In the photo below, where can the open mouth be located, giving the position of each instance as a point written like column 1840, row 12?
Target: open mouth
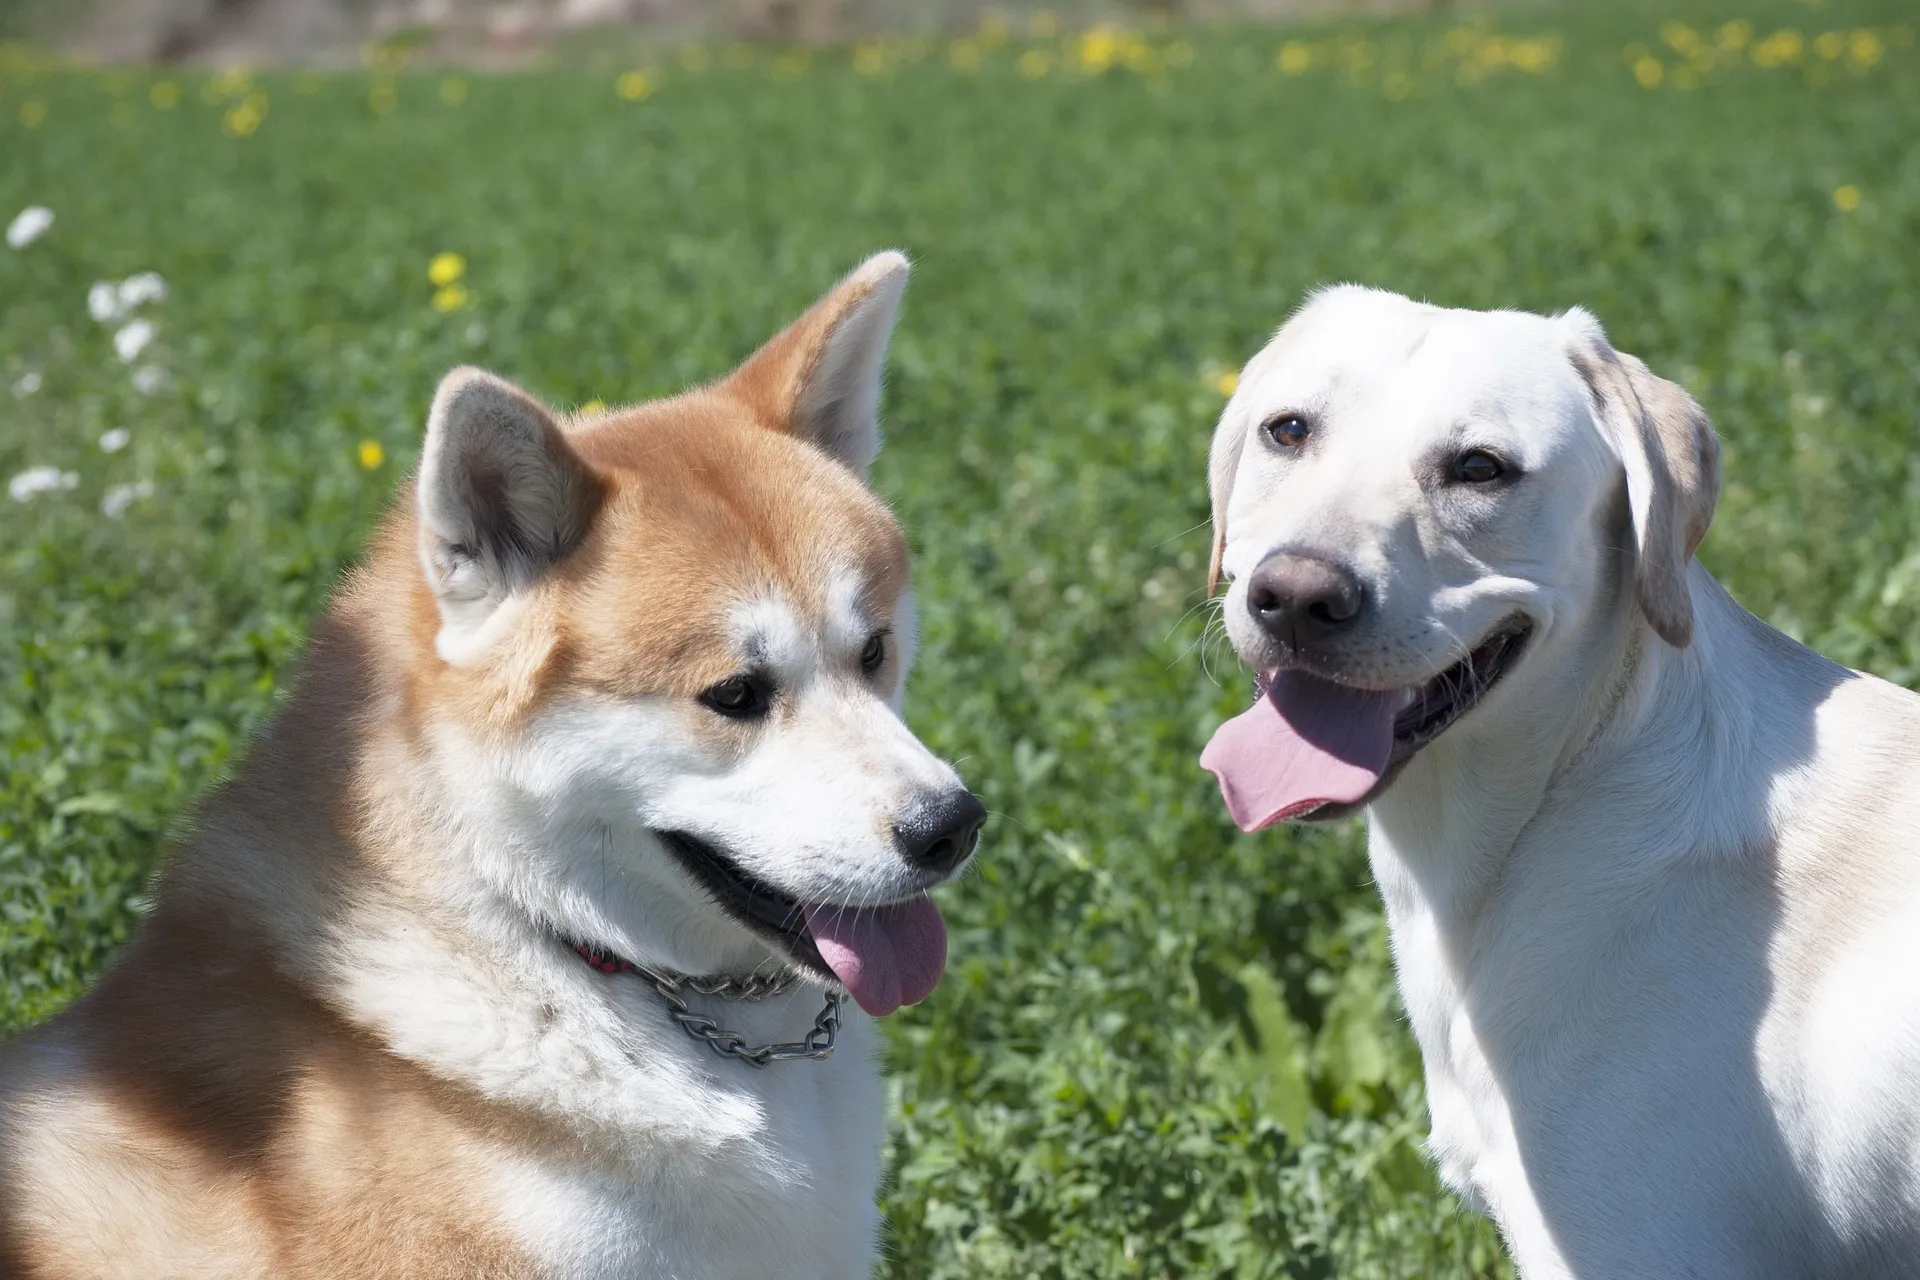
column 1433, row 707
column 1312, row 749
column 769, row 912
column 885, row 955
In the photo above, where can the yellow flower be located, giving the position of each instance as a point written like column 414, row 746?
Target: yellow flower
column 1779, row 49
column 1865, row 48
column 1830, row 45
column 1846, row 198
column 372, row 455
column 165, row 95
column 1295, row 57
column 450, row 298
column 1649, row 72
column 594, row 406
column 245, row 116
column 1735, row 35
column 453, row 91
column 633, row 86
column 1034, row 63
column 1226, row 382
column 964, row 55
column 446, row 268
column 870, row 57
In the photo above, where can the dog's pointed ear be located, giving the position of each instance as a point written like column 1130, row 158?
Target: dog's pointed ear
column 819, row 378
column 502, row 497
column 1223, row 461
column 1672, row 461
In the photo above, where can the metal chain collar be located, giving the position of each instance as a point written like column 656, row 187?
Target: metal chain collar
column 818, row 1044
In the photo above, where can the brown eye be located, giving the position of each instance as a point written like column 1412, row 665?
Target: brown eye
column 874, row 653
column 739, row 697
column 1477, row 466
column 1287, row 431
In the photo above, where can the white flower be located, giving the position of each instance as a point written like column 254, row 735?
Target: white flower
column 149, row 378
column 122, row 496
column 142, row 288
column 28, row 384
column 103, row 302
column 132, row 340
column 29, row 225
column 40, row 480
column 115, row 440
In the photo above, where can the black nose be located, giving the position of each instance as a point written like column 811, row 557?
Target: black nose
column 1298, row 599
column 938, row 834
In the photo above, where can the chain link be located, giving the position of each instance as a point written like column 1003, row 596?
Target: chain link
column 818, row 1044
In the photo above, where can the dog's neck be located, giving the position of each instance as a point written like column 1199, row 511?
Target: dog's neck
column 1444, row 837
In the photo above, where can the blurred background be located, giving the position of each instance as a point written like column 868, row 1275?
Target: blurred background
column 245, row 238
column 329, row 32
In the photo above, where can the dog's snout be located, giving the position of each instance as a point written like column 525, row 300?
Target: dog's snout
column 1298, row 599
column 939, row 834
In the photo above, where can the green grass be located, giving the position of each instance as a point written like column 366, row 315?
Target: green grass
column 1163, row 1048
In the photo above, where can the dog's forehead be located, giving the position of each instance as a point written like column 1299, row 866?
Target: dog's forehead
column 1353, row 345
column 727, row 543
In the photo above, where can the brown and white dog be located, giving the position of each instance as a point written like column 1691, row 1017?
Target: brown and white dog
column 611, row 698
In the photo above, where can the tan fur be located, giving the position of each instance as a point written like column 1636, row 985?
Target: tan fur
column 209, row 1109
column 1671, row 455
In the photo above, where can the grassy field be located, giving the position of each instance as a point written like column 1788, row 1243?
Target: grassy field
column 1163, row 1049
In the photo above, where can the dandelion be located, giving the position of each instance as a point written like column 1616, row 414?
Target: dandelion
column 1846, row 198
column 870, row 58
column 114, row 503
column 38, row 480
column 165, row 95
column 1864, row 49
column 149, row 378
column 593, row 406
column 1226, row 382
column 1295, row 57
column 115, row 440
column 453, row 91
column 28, row 225
column 633, row 86
column 141, row 288
column 130, row 340
column 451, row 298
column 445, row 268
column 1734, row 36
column 245, row 117
column 1779, row 49
column 1034, row 63
column 28, row 384
column 964, row 55
column 1649, row 72
column 371, row 455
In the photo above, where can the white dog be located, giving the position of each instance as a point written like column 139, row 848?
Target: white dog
column 1651, row 869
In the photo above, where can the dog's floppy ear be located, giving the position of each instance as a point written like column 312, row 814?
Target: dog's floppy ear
column 1672, row 461
column 501, row 496
column 819, row 378
column 1223, row 460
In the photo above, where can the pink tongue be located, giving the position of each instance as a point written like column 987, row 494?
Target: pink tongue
column 885, row 956
column 1307, row 743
